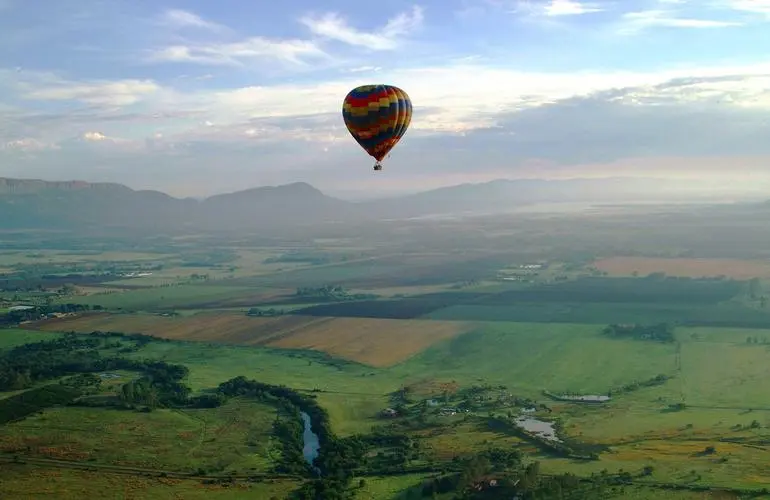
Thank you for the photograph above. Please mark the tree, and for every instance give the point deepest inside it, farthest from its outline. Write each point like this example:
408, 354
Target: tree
755, 288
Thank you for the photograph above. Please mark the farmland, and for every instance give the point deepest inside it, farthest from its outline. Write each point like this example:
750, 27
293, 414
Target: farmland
40, 481
563, 358
376, 342
496, 327
685, 267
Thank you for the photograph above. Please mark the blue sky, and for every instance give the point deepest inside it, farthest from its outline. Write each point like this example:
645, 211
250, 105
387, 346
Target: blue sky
196, 97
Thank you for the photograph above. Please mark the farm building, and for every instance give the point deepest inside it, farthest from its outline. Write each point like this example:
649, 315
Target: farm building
21, 308
389, 413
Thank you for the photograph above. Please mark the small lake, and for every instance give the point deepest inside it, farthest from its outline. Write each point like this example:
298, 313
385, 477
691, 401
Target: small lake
588, 398
310, 441
539, 427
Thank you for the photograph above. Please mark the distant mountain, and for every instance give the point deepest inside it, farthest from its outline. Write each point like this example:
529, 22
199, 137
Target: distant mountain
30, 186
291, 203
41, 204
77, 204
503, 195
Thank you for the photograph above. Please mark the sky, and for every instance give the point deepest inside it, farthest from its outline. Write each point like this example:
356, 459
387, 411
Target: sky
196, 97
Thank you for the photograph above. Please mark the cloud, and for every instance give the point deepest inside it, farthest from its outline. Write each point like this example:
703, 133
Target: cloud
566, 121
94, 136
570, 8
177, 19
242, 53
462, 103
334, 27
636, 22
228, 49
98, 92
27, 144
761, 7
549, 8
365, 69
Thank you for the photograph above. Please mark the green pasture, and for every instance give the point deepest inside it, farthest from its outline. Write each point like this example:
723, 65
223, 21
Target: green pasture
529, 357
33, 482
721, 314
12, 337
235, 437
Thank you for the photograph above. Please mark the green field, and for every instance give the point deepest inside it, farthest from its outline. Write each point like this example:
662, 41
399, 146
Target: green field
529, 357
215, 440
12, 337
526, 338
29, 481
159, 298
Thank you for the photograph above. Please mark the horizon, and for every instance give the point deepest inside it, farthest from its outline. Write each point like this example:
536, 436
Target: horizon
204, 99
673, 187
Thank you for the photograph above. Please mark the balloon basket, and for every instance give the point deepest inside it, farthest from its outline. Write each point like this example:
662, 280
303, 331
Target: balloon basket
377, 167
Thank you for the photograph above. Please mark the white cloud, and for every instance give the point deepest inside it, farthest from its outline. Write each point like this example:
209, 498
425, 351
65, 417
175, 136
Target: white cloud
635, 22
570, 8
107, 93
365, 69
549, 8
228, 50
99, 139
267, 123
295, 52
335, 27
94, 136
463, 101
177, 18
27, 144
751, 6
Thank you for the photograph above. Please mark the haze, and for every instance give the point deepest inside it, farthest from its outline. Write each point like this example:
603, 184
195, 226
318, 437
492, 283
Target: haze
198, 98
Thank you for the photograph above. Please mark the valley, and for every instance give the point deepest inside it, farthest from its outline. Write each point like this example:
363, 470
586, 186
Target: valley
432, 366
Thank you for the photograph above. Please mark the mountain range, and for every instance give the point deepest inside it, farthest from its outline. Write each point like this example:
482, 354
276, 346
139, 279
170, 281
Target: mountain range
28, 204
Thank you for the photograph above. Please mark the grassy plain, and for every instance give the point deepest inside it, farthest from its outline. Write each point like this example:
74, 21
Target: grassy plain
235, 437
12, 337
32, 482
159, 298
529, 357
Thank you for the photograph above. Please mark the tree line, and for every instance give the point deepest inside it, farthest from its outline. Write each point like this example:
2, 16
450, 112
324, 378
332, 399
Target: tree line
36, 312
661, 332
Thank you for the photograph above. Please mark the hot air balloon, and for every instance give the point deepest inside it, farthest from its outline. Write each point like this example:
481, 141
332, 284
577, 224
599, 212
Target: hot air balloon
377, 117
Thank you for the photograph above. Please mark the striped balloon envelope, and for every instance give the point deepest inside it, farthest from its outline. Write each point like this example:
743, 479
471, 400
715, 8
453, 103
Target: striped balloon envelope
377, 117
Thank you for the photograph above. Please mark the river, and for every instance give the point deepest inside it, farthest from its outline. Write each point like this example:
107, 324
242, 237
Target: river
310, 441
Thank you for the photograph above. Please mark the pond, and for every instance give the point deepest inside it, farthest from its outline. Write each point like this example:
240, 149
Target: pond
310, 442
587, 398
541, 428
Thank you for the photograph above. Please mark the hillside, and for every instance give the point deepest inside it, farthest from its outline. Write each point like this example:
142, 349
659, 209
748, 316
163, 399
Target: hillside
26, 204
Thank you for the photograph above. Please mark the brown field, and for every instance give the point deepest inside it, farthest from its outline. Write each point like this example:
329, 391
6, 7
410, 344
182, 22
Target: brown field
693, 268
376, 342
228, 328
